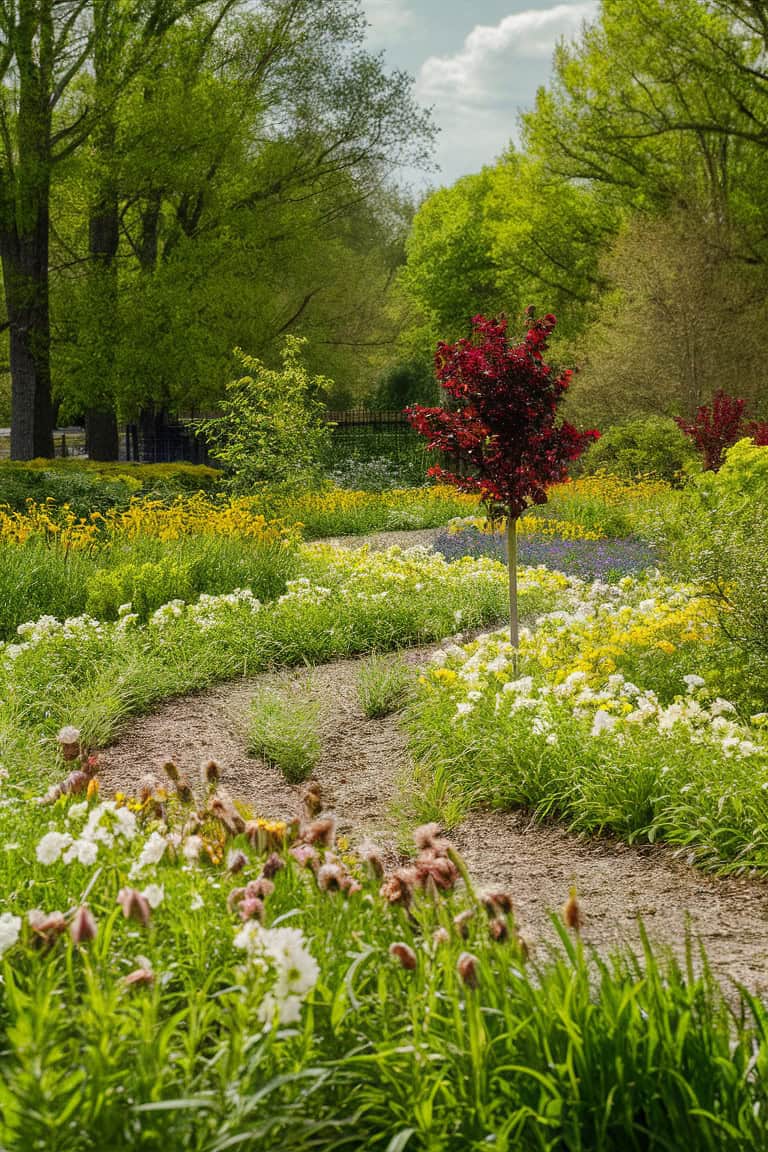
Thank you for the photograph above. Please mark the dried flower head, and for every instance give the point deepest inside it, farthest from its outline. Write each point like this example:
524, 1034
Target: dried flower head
134, 905
69, 742
461, 922
441, 935
373, 857
261, 887
499, 929
46, 925
497, 902
226, 813
171, 771
251, 908
404, 954
76, 783
331, 877
437, 870
148, 785
398, 887
467, 966
572, 914
312, 800
83, 926
140, 976
211, 772
321, 832
425, 835
236, 861
184, 790
305, 855
272, 865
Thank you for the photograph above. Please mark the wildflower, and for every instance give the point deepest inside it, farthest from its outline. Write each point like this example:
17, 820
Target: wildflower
425, 835
84, 850
572, 911
398, 888
251, 908
10, 928
312, 800
305, 855
154, 894
236, 861
499, 929
322, 832
496, 902
69, 742
441, 936
461, 922
171, 771
83, 926
692, 682
373, 857
51, 846
196, 903
148, 785
46, 925
211, 772
92, 791
226, 813
135, 905
272, 865
262, 887
330, 877
139, 976
192, 847
603, 722
438, 870
405, 955
76, 782
151, 853
467, 966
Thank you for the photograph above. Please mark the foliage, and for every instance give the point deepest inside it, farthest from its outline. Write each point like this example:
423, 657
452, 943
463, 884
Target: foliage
89, 486
222, 994
502, 431
383, 685
271, 426
647, 446
616, 723
284, 730
716, 428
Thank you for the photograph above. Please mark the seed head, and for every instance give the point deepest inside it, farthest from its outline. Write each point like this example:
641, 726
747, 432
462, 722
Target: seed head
572, 913
140, 976
211, 772
83, 926
321, 832
272, 865
461, 922
466, 966
171, 771
373, 856
405, 955
134, 905
76, 783
236, 861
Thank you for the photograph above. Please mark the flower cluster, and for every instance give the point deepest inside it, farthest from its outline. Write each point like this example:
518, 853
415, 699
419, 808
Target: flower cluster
281, 955
502, 435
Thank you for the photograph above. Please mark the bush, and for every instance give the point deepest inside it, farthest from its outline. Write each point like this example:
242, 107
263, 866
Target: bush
648, 446
89, 486
272, 427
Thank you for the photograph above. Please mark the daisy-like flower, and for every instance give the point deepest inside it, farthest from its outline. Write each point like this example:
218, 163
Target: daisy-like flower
10, 928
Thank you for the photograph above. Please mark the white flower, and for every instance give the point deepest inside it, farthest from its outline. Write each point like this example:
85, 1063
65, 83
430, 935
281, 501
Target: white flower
151, 853
192, 847
692, 682
196, 903
84, 851
281, 953
603, 722
51, 846
125, 823
154, 895
463, 709
77, 811
10, 927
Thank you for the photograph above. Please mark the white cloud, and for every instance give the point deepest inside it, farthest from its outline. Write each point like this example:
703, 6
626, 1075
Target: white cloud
477, 92
387, 19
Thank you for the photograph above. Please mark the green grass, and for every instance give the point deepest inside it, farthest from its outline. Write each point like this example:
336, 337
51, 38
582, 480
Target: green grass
285, 732
383, 685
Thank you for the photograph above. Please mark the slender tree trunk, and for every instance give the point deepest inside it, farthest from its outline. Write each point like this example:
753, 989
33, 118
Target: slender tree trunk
25, 275
101, 435
514, 628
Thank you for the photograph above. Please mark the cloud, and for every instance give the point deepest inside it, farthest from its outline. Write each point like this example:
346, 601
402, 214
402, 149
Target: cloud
388, 20
477, 92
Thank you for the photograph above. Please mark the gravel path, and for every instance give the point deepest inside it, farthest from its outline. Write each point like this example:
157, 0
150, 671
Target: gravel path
365, 762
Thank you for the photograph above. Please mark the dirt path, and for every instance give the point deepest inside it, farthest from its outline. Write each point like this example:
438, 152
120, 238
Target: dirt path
362, 764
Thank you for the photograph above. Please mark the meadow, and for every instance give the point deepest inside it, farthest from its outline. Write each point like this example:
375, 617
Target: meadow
183, 971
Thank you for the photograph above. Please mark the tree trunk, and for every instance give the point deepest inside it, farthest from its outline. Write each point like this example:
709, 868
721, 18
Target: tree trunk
101, 435
514, 628
25, 275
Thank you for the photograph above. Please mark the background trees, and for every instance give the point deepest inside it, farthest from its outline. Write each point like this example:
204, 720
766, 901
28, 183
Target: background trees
222, 178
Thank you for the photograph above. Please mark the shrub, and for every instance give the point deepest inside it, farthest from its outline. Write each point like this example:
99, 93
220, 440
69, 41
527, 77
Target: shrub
649, 446
285, 733
272, 428
383, 685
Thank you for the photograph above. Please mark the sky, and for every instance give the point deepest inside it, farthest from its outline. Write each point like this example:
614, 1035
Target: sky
477, 63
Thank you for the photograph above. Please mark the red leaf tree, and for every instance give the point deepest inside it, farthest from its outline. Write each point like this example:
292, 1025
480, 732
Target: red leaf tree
500, 434
716, 427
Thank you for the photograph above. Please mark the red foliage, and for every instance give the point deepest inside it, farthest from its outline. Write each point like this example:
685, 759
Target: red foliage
758, 431
502, 430
714, 429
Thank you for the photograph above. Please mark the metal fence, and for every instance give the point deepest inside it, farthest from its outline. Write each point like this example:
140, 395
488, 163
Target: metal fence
66, 442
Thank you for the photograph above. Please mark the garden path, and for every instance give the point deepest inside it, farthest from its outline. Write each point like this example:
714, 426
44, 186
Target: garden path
365, 765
